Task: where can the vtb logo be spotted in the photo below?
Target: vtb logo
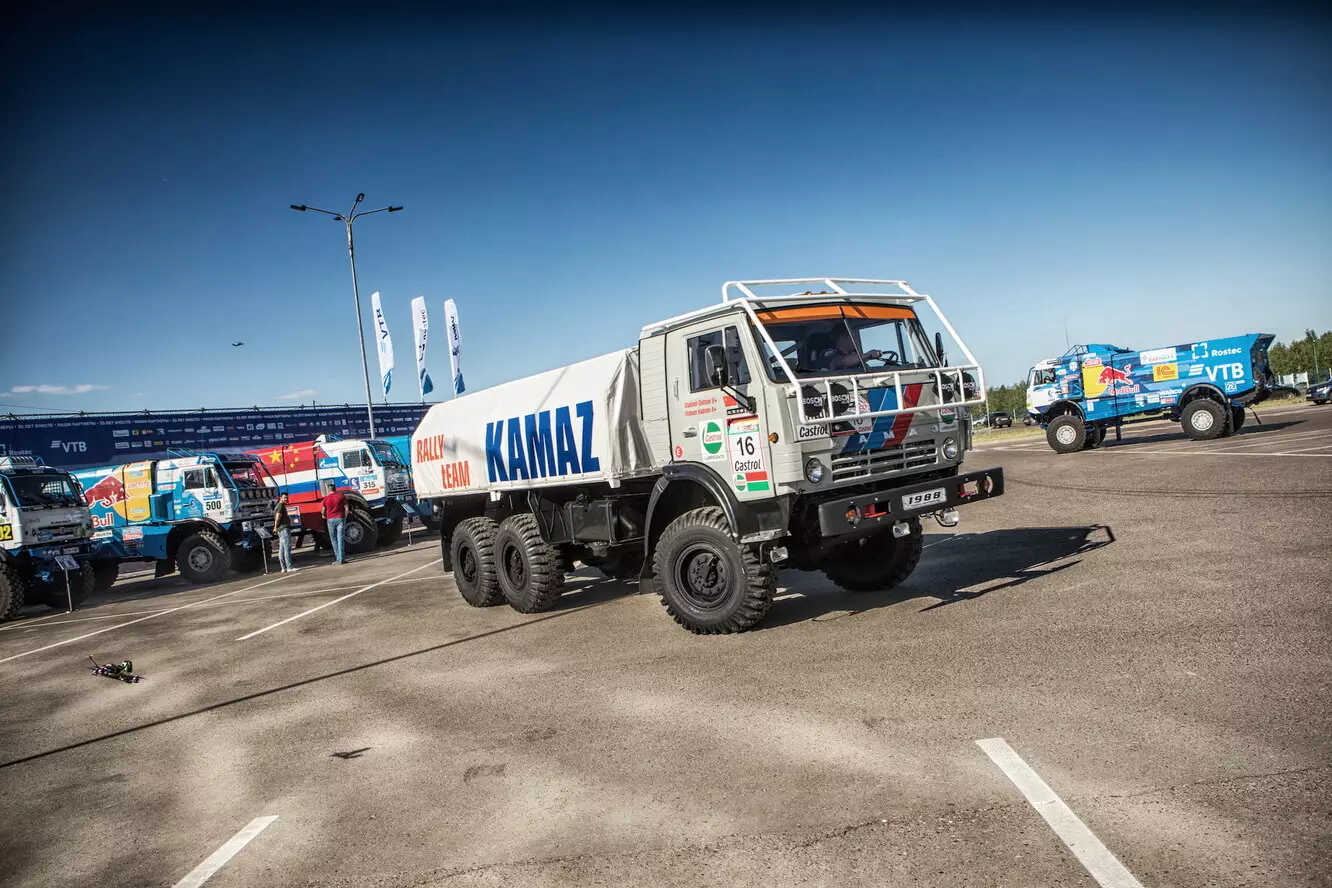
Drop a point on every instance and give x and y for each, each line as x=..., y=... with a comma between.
x=70, y=446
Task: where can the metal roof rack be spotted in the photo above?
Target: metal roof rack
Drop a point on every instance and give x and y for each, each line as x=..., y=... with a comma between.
x=744, y=298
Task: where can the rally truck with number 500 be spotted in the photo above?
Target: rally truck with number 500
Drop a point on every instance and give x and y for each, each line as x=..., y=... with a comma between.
x=809, y=424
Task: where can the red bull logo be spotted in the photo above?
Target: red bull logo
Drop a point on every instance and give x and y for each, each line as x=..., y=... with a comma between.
x=1109, y=376
x=106, y=493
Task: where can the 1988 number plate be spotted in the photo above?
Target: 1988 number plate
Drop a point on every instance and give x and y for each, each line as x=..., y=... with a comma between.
x=923, y=498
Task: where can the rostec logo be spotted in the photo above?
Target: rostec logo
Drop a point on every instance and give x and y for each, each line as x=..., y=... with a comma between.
x=1222, y=352
x=535, y=449
x=712, y=438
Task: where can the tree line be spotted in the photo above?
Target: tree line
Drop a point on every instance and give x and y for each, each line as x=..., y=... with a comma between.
x=1312, y=355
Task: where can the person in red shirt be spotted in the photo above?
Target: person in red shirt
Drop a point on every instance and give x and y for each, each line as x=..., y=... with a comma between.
x=334, y=509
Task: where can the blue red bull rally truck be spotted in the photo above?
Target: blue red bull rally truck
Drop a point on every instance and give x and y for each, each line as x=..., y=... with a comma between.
x=196, y=512
x=1205, y=386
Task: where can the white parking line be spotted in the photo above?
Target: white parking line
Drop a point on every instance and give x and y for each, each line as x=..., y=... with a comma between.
x=215, y=861
x=29, y=622
x=336, y=600
x=140, y=620
x=1134, y=451
x=1104, y=867
x=1265, y=439
x=1307, y=449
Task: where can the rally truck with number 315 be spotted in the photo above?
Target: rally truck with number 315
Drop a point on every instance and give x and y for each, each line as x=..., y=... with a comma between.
x=802, y=429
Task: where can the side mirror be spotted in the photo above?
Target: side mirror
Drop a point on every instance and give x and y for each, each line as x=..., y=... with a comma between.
x=938, y=349
x=718, y=370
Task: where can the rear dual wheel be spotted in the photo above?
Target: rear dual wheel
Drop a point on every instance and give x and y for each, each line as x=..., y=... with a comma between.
x=531, y=575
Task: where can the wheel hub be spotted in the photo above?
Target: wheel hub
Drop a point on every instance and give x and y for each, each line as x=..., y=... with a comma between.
x=201, y=558
x=703, y=576
x=515, y=567
x=1066, y=435
x=1202, y=420
x=467, y=567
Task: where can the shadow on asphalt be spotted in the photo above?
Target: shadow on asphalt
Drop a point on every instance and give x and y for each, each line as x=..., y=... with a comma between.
x=1177, y=434
x=586, y=597
x=1003, y=559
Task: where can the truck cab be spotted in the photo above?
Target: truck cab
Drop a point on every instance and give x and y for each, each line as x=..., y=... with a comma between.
x=373, y=474
x=194, y=512
x=825, y=412
x=42, y=518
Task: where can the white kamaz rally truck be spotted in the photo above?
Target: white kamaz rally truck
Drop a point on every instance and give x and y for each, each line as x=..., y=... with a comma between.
x=811, y=430
x=42, y=517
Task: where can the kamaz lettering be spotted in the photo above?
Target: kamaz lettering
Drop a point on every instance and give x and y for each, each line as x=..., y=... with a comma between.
x=531, y=446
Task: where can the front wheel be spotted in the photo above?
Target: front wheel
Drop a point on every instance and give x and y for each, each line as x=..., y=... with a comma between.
x=81, y=585
x=11, y=592
x=204, y=557
x=709, y=583
x=105, y=574
x=1066, y=433
x=390, y=533
x=1203, y=419
x=876, y=563
x=359, y=533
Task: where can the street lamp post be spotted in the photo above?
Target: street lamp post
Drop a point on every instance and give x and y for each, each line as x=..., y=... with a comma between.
x=347, y=219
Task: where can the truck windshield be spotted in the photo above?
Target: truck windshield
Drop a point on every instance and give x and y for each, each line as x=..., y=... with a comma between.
x=1042, y=376
x=387, y=453
x=44, y=490
x=248, y=474
x=845, y=344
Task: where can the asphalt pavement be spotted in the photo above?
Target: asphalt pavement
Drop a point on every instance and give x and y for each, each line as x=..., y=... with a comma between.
x=1145, y=626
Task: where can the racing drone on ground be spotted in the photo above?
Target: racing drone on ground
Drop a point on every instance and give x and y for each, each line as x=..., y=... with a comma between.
x=122, y=671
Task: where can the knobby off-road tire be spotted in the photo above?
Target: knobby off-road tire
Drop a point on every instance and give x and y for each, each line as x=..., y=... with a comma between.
x=390, y=533
x=1095, y=436
x=710, y=584
x=1236, y=419
x=531, y=572
x=472, y=552
x=247, y=560
x=203, y=557
x=359, y=533
x=81, y=585
x=1203, y=419
x=12, y=591
x=105, y=574
x=1066, y=433
x=876, y=563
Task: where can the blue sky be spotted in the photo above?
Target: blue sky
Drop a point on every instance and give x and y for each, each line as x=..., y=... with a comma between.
x=1147, y=182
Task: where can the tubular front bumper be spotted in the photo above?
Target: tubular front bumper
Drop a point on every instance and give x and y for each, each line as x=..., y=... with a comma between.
x=887, y=506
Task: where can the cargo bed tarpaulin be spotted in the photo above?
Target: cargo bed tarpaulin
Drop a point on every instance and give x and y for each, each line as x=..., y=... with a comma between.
x=578, y=423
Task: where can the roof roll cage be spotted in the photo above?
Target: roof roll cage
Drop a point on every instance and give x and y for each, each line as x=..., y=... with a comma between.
x=837, y=291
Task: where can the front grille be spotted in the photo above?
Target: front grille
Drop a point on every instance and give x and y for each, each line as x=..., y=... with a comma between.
x=885, y=461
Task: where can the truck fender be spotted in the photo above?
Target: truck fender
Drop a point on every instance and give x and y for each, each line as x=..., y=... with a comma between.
x=1202, y=390
x=1059, y=408
x=685, y=486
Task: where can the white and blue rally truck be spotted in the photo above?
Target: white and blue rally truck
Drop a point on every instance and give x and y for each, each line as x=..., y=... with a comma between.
x=803, y=429
x=194, y=511
x=1205, y=386
x=42, y=518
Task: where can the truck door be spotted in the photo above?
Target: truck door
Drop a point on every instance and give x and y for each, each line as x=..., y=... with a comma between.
x=202, y=495
x=718, y=426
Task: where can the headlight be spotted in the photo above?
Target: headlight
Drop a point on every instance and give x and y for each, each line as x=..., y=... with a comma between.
x=814, y=471
x=949, y=448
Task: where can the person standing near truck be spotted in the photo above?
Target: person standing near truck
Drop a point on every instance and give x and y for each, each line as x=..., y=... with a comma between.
x=334, y=510
x=282, y=527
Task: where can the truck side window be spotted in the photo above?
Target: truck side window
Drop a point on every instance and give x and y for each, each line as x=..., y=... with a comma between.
x=698, y=362
x=195, y=479
x=353, y=459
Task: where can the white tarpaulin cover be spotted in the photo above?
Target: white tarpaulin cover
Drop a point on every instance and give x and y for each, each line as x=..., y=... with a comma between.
x=576, y=424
